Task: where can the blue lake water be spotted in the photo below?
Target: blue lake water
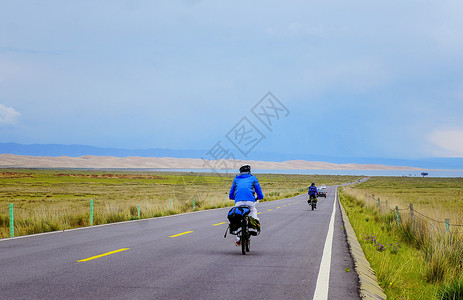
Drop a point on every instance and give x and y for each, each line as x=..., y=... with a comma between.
x=431, y=173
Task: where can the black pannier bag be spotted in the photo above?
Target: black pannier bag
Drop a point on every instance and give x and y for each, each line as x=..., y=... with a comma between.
x=236, y=214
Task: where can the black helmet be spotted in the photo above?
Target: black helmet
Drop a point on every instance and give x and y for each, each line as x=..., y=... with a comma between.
x=313, y=183
x=245, y=168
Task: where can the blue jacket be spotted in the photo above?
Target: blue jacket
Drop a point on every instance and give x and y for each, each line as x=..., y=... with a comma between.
x=243, y=188
x=313, y=190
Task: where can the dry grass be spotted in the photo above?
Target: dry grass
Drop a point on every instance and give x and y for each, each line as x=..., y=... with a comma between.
x=47, y=200
x=434, y=200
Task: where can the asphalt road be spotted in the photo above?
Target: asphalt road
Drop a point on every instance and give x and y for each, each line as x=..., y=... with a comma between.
x=155, y=262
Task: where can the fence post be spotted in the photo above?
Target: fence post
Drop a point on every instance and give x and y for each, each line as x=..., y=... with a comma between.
x=447, y=225
x=171, y=204
x=138, y=210
x=194, y=204
x=397, y=214
x=91, y=212
x=412, y=213
x=11, y=220
x=379, y=204
x=386, y=204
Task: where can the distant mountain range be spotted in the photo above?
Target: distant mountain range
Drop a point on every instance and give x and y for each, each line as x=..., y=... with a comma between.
x=55, y=150
x=82, y=150
x=137, y=162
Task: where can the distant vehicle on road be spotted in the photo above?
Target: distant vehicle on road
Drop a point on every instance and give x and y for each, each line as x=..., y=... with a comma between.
x=322, y=191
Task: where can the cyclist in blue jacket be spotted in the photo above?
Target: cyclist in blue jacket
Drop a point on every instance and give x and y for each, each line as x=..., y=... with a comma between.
x=244, y=188
x=313, y=193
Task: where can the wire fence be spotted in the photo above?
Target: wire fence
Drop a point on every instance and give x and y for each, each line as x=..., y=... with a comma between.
x=411, y=213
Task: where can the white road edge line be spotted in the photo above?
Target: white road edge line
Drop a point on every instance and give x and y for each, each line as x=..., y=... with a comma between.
x=323, y=280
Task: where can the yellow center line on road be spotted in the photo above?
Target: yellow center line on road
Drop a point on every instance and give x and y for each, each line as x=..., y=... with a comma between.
x=269, y=209
x=259, y=213
x=176, y=235
x=104, y=254
x=219, y=223
x=278, y=207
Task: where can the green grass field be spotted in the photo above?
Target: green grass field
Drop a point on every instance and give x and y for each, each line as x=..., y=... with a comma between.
x=414, y=257
x=49, y=200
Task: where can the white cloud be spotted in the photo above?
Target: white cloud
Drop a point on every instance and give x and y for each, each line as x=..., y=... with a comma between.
x=8, y=115
x=449, y=142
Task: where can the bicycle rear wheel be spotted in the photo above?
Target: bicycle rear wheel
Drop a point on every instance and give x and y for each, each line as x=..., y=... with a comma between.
x=244, y=237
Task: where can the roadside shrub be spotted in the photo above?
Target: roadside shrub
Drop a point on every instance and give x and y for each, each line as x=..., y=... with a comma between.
x=422, y=234
x=134, y=211
x=199, y=204
x=388, y=218
x=188, y=206
x=34, y=228
x=406, y=232
x=4, y=221
x=48, y=226
x=451, y=291
x=450, y=247
x=350, y=200
x=115, y=217
x=77, y=220
x=435, y=270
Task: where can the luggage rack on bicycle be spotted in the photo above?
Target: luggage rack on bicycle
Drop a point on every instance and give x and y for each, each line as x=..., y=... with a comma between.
x=239, y=225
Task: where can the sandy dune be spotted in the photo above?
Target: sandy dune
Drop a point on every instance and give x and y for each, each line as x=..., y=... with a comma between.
x=89, y=161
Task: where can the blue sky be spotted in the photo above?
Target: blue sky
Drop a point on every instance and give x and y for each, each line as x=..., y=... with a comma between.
x=358, y=78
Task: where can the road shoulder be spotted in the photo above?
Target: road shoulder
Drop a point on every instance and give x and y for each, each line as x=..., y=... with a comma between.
x=368, y=283
x=343, y=279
